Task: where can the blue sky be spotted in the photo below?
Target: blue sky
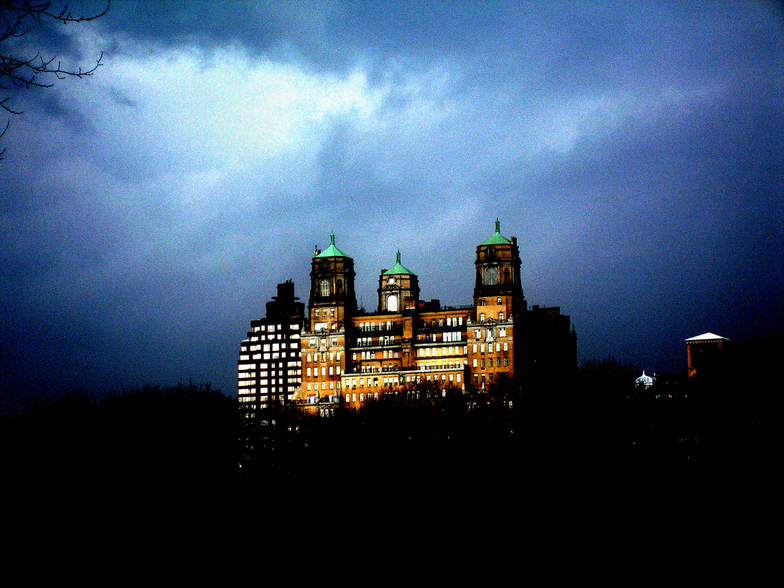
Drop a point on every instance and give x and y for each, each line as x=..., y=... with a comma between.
x=147, y=213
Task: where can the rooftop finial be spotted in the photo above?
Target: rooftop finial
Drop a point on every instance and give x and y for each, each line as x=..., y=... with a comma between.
x=497, y=226
x=398, y=256
x=332, y=237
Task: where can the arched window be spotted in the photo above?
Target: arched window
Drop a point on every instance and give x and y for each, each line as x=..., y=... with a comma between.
x=324, y=288
x=491, y=276
x=339, y=286
x=392, y=303
x=500, y=316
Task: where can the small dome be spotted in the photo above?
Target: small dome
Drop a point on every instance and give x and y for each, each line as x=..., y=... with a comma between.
x=398, y=269
x=644, y=380
x=332, y=251
x=496, y=238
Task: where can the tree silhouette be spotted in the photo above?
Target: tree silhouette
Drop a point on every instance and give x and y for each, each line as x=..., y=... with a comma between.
x=25, y=67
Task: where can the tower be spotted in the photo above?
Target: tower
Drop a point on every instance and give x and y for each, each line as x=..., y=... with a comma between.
x=398, y=288
x=332, y=295
x=332, y=301
x=498, y=293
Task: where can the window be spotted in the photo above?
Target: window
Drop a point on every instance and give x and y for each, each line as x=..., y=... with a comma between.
x=392, y=303
x=324, y=288
x=500, y=316
x=491, y=276
x=481, y=317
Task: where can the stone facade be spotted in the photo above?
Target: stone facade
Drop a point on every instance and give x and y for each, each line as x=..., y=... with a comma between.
x=348, y=356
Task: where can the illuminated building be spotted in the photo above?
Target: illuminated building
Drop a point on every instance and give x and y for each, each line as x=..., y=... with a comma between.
x=350, y=356
x=269, y=368
x=706, y=355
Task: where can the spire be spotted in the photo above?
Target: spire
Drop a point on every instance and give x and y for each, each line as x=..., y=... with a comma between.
x=496, y=238
x=332, y=250
x=398, y=269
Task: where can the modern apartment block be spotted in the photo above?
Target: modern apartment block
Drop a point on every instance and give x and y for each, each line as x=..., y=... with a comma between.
x=350, y=356
x=269, y=367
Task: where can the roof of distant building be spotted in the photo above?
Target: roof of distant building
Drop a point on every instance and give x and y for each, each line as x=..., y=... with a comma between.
x=496, y=238
x=644, y=380
x=398, y=269
x=707, y=337
x=332, y=251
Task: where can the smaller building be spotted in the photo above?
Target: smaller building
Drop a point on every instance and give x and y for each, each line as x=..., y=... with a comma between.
x=644, y=381
x=269, y=369
x=705, y=355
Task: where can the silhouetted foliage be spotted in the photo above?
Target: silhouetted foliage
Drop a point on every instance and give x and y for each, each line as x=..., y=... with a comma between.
x=142, y=436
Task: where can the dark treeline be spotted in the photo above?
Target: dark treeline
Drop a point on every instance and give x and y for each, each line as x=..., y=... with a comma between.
x=597, y=439
x=148, y=435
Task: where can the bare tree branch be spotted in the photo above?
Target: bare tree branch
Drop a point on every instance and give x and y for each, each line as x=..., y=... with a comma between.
x=23, y=71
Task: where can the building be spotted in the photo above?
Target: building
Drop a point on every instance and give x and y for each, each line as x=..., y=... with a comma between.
x=349, y=356
x=706, y=356
x=644, y=381
x=269, y=367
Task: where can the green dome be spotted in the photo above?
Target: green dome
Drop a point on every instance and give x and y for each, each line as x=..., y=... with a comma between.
x=332, y=251
x=496, y=238
x=398, y=269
